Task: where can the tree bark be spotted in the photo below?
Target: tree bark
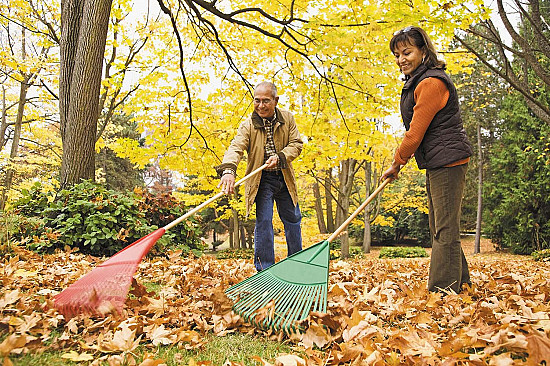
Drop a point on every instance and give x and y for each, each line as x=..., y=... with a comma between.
x=4, y=123
x=328, y=200
x=14, y=152
x=347, y=171
x=82, y=47
x=319, y=209
x=367, y=237
x=477, y=241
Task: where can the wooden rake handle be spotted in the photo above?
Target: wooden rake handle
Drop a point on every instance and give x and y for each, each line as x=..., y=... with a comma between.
x=212, y=199
x=359, y=209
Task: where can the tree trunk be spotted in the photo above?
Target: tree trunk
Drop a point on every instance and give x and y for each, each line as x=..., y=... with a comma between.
x=367, y=237
x=319, y=209
x=477, y=242
x=4, y=123
x=236, y=225
x=24, y=87
x=347, y=171
x=328, y=200
x=82, y=47
x=243, y=235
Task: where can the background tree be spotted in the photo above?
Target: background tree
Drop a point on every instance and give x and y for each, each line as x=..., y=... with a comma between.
x=84, y=25
x=517, y=157
x=481, y=92
x=27, y=37
x=530, y=50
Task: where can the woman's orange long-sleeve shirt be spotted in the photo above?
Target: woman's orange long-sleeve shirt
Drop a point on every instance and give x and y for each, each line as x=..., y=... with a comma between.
x=430, y=96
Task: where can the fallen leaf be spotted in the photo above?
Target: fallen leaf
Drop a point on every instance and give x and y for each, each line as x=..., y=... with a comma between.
x=289, y=360
x=538, y=349
x=76, y=357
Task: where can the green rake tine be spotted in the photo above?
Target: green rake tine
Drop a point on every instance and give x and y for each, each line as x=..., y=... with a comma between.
x=307, y=306
x=303, y=303
x=320, y=303
x=282, y=290
x=252, y=297
x=234, y=290
x=257, y=302
x=282, y=306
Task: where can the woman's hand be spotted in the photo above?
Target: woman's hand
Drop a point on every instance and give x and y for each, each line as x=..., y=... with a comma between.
x=392, y=172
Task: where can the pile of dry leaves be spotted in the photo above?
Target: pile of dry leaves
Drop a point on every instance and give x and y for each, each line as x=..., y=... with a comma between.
x=379, y=312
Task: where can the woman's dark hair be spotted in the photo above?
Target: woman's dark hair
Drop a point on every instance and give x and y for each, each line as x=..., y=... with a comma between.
x=416, y=36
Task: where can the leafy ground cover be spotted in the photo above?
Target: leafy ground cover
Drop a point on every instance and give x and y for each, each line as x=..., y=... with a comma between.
x=379, y=314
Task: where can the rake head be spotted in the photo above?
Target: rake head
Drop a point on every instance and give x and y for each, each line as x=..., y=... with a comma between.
x=105, y=288
x=284, y=294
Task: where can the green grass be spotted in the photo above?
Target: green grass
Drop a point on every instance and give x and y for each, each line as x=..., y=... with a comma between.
x=234, y=347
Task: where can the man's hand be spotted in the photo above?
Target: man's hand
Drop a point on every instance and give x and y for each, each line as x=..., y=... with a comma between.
x=272, y=161
x=227, y=182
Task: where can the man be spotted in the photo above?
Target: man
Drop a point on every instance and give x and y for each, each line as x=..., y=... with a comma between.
x=269, y=136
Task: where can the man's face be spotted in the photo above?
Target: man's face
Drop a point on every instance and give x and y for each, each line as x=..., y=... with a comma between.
x=264, y=103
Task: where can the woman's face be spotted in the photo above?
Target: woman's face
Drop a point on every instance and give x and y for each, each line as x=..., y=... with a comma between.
x=408, y=57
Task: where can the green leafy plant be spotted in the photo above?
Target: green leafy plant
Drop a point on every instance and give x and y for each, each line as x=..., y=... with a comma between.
x=335, y=250
x=99, y=221
x=402, y=252
x=541, y=255
x=8, y=226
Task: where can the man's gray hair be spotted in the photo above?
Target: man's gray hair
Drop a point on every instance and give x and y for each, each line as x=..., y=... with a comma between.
x=269, y=85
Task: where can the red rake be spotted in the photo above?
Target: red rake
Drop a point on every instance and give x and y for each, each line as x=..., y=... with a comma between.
x=106, y=287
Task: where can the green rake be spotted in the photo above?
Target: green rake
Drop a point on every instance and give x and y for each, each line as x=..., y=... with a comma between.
x=284, y=294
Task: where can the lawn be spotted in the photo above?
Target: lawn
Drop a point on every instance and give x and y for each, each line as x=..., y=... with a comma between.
x=379, y=313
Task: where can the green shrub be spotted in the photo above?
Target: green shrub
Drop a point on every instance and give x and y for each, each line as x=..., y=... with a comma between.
x=408, y=224
x=541, y=255
x=402, y=252
x=161, y=209
x=96, y=220
x=336, y=250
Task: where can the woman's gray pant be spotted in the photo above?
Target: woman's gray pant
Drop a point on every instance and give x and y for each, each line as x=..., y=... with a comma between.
x=448, y=266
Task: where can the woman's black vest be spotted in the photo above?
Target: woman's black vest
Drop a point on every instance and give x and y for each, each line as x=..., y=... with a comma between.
x=445, y=140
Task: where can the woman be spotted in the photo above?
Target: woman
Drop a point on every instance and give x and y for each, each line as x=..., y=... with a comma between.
x=435, y=136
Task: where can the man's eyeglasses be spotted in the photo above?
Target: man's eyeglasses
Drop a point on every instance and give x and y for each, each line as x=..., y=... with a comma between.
x=404, y=30
x=264, y=101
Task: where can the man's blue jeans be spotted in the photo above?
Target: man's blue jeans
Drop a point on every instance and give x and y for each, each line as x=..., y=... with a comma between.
x=273, y=189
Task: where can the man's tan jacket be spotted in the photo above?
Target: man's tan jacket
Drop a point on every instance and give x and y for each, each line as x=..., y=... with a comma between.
x=251, y=137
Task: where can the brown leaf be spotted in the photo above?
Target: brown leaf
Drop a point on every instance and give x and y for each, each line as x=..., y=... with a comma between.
x=289, y=360
x=13, y=342
x=152, y=362
x=316, y=335
x=539, y=349
x=10, y=297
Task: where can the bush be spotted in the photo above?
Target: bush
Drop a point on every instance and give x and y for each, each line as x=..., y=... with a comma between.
x=336, y=250
x=541, y=255
x=402, y=252
x=408, y=224
x=96, y=220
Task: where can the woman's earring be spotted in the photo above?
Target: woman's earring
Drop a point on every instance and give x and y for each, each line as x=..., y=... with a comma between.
x=423, y=58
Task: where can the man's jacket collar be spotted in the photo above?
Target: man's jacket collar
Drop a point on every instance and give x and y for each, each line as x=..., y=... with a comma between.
x=258, y=121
